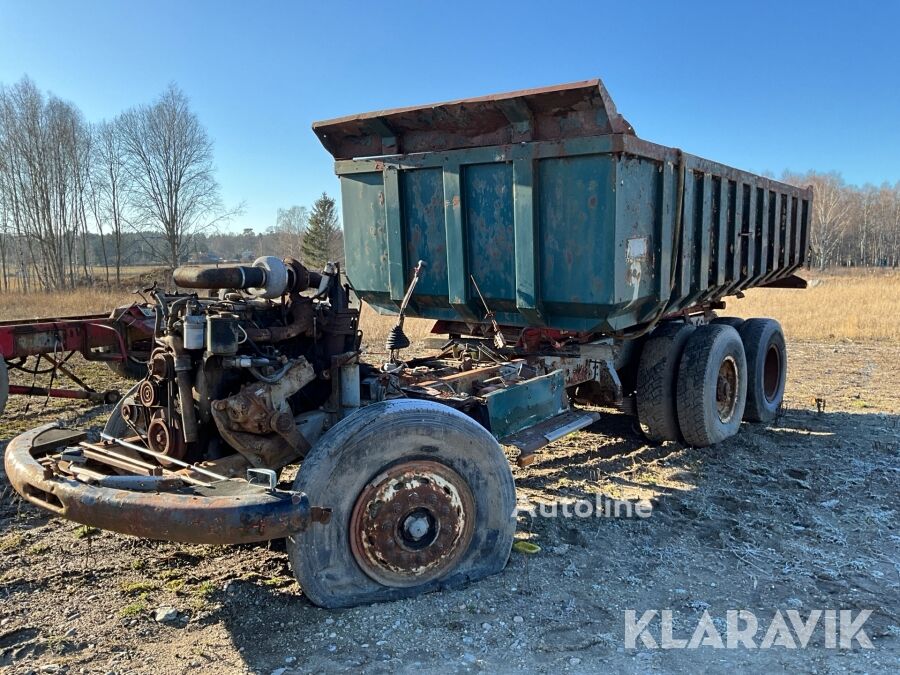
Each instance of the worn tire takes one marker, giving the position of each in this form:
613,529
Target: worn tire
733,321
353,454
4,385
657,379
710,351
766,368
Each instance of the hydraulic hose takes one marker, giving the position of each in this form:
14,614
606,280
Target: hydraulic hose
185,389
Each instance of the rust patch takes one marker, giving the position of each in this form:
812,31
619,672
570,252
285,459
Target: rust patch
412,523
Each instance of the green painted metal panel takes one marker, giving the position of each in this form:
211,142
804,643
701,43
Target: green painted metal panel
763,225
723,237
577,223
664,242
490,232
366,245
526,404
394,225
751,208
739,232
457,271
565,219
527,242
705,232
641,242
425,234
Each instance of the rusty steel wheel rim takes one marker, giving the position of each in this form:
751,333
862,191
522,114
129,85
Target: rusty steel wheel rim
772,373
412,523
727,389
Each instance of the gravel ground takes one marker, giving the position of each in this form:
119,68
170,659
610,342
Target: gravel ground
799,515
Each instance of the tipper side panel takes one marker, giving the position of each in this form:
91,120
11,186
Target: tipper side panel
572,236
738,231
563,217
552,239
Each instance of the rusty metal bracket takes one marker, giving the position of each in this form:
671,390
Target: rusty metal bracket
224,512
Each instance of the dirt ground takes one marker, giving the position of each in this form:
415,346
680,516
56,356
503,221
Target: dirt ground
799,515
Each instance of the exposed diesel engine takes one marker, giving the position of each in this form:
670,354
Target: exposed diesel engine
229,374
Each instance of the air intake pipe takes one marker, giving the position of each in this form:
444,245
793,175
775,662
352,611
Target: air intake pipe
267,277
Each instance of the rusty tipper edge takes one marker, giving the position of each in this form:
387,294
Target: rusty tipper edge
229,512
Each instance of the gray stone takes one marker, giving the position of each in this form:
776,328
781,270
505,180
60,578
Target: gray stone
166,614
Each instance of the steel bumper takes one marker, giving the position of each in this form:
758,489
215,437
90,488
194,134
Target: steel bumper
227,512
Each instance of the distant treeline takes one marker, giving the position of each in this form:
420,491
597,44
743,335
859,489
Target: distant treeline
139,189
92,266
852,226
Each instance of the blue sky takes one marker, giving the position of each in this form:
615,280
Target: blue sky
758,85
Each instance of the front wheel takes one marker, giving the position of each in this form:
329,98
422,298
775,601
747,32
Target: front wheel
422,498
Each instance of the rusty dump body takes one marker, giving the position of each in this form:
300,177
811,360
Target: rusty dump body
565,218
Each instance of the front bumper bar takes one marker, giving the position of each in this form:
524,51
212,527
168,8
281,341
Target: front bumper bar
226,512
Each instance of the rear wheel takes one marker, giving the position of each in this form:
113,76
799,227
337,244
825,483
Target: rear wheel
733,321
766,368
712,385
422,497
656,381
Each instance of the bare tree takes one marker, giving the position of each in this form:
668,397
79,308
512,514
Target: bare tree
831,209
109,186
43,146
290,225
169,159
852,226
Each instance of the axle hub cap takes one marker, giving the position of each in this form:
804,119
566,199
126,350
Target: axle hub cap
412,523
727,389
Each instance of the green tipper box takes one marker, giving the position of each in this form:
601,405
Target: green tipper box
564,217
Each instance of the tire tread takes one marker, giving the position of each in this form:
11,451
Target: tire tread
657,381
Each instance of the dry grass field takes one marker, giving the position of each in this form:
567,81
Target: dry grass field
132,276
857,305
15,305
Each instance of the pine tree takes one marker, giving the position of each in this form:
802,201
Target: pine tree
322,234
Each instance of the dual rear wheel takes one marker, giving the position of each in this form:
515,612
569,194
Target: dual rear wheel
696,384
